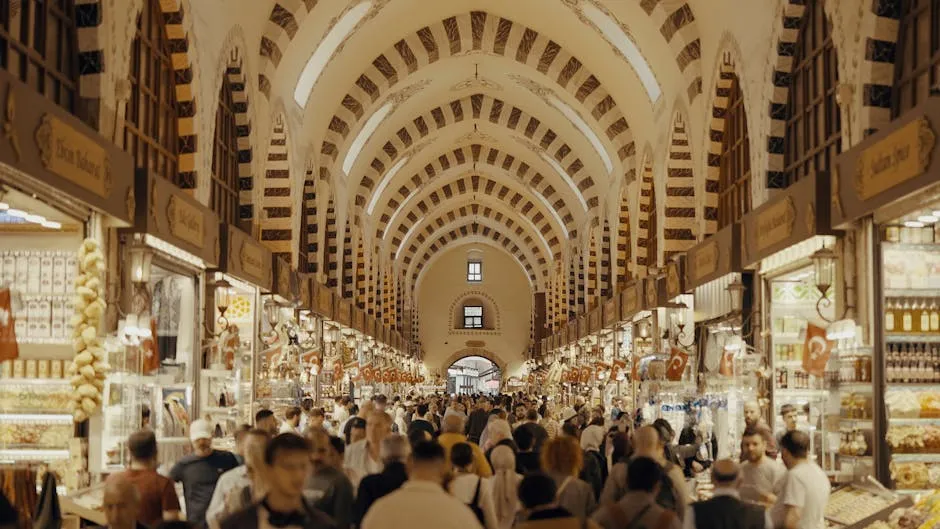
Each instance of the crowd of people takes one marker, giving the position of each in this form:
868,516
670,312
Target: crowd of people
466,462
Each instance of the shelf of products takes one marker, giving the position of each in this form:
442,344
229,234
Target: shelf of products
859,504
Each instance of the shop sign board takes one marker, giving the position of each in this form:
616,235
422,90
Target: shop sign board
612,311
323,300
716,256
595,318
630,300
306,292
286,280
246,258
654,292
170,214
889,165
675,277
794,215
343,312
371,327
46,142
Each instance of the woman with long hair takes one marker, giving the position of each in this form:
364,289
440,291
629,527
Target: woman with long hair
505,486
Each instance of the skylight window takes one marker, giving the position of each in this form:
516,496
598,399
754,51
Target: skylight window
326,49
625,45
388,178
364,136
568,180
575,118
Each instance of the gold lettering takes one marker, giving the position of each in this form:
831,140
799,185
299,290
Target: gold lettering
775,223
73,156
899,157
186,221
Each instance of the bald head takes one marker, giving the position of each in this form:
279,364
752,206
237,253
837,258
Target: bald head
121,502
725,473
751,413
647,442
452,424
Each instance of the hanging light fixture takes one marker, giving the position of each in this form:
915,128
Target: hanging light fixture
736,294
824,265
271,312
141,257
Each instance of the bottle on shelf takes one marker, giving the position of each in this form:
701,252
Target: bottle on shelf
907,317
890,321
934,317
923,315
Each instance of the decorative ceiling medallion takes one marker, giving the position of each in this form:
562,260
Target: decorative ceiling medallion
481,83
532,86
406,93
477,136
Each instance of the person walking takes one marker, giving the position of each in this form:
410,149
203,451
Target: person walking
477,420
754,421
672,493
531,423
199,472
158,499
638,508
327,485
394,452
471,489
726,509
595,465
538,495
121,504
505,485
527,459
422,501
237,488
362,458
451,434
761,477
802,502
562,460
287,459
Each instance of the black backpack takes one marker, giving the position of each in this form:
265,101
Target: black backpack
667,495
475,504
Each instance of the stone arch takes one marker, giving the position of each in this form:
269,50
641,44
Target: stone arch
286,17
474,351
277,202
591,286
477,30
679,224
310,242
331,257
680,29
645,245
489,307
723,85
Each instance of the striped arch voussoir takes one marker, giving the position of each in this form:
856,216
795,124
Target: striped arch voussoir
716,135
678,26
91,53
679,211
286,17
235,76
178,40
466,32
880,53
277,200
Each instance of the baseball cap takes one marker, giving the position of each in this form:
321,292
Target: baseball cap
200,429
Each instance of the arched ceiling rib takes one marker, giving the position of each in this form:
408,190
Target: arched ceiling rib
479,207
477,31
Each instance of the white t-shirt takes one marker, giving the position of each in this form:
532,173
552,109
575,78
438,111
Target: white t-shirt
807,487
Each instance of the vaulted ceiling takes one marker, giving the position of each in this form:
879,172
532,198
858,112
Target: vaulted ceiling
437,121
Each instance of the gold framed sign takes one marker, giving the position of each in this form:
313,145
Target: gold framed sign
716,256
775,223
705,259
675,277
897,158
629,301
74,156
246,258
323,298
652,293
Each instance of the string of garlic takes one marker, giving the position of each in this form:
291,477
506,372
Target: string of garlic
89,366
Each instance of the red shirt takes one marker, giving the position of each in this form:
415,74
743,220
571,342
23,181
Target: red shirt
157,494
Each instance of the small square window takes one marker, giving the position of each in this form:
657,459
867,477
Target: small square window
473,317
474,271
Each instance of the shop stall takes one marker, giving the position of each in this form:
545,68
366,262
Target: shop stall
731,370
780,241
616,386
888,187
233,319
62,187
157,353
322,307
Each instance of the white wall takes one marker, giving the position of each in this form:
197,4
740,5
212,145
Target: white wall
444,284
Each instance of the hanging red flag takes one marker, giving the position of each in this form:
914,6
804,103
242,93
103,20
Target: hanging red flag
726,367
816,350
678,359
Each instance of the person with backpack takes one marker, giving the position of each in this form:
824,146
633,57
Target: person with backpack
638,508
671,495
473,490
562,460
538,495
595,464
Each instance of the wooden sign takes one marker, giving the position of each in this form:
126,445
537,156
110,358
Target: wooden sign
343,312
246,258
630,300
775,223
323,300
675,277
594,320
716,256
897,158
705,259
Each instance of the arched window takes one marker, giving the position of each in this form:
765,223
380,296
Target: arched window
150,132
225,158
917,59
38,45
813,136
734,177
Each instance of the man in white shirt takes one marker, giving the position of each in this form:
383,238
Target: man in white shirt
292,424
363,457
422,501
235,480
725,508
802,503
761,477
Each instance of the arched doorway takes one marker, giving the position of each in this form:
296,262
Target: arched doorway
473,374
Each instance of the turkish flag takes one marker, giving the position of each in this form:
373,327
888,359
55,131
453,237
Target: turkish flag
678,359
816,350
726,367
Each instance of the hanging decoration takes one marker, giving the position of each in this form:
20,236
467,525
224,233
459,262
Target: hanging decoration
89,365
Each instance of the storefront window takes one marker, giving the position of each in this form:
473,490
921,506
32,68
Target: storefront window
917,59
38,45
150,132
813,124
734,179
173,317
225,158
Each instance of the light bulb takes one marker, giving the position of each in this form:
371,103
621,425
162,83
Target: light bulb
927,219
913,224
16,213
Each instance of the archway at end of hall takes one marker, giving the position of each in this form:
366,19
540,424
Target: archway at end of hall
473,375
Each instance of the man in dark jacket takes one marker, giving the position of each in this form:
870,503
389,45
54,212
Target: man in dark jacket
477,421
726,510
531,423
394,452
287,457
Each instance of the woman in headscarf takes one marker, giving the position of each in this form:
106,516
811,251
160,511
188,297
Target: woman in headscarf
499,433
505,486
594,471
549,422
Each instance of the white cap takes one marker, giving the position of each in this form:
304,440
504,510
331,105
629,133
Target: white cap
200,429
566,414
